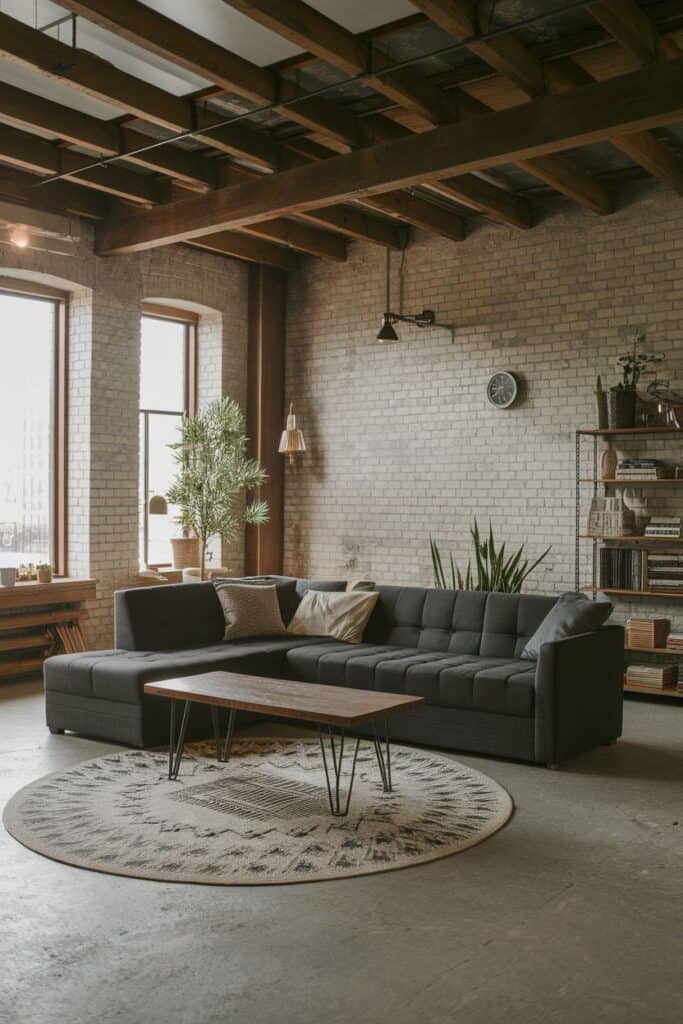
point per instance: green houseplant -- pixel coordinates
(214, 473)
(494, 571)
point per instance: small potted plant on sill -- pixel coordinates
(214, 474)
(44, 572)
(621, 407)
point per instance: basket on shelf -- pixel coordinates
(609, 517)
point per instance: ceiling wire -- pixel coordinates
(322, 90)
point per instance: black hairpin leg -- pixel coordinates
(215, 723)
(383, 762)
(338, 808)
(175, 753)
(224, 755)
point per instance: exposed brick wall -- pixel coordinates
(402, 441)
(104, 370)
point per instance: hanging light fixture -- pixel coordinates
(427, 318)
(292, 439)
(158, 506)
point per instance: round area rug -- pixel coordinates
(261, 819)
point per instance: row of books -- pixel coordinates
(674, 641)
(665, 571)
(623, 569)
(659, 677)
(663, 526)
(643, 469)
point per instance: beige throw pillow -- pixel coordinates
(249, 610)
(343, 616)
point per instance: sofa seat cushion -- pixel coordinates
(121, 675)
(498, 685)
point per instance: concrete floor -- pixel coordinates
(573, 914)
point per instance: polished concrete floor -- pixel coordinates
(573, 914)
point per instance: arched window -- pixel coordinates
(167, 390)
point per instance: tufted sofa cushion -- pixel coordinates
(500, 685)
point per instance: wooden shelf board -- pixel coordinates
(653, 650)
(637, 538)
(639, 482)
(21, 667)
(653, 691)
(24, 643)
(631, 430)
(666, 595)
(60, 591)
(22, 621)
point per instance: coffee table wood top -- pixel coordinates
(333, 705)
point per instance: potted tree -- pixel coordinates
(214, 476)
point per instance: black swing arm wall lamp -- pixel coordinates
(427, 318)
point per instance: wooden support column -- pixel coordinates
(265, 410)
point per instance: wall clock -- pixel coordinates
(502, 389)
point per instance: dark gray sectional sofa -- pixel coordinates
(460, 650)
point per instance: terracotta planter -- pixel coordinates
(45, 575)
(186, 552)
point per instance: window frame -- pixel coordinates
(21, 288)
(190, 320)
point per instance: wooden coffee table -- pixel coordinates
(332, 708)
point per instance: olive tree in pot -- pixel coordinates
(215, 475)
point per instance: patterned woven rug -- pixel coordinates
(261, 819)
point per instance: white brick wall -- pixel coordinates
(402, 439)
(104, 370)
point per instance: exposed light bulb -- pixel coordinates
(19, 237)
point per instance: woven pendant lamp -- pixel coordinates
(292, 440)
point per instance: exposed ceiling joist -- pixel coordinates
(245, 247)
(20, 187)
(153, 31)
(645, 99)
(528, 72)
(331, 42)
(633, 28)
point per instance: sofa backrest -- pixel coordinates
(459, 621)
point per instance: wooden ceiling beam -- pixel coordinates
(530, 74)
(57, 197)
(313, 31)
(634, 30)
(38, 156)
(301, 237)
(244, 247)
(308, 28)
(647, 98)
(158, 34)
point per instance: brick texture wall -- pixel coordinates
(402, 441)
(104, 372)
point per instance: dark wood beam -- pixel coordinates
(58, 197)
(645, 99)
(244, 247)
(530, 74)
(265, 409)
(31, 153)
(314, 31)
(153, 31)
(633, 28)
(302, 237)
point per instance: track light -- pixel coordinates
(427, 318)
(19, 237)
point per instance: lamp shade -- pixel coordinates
(292, 439)
(158, 505)
(386, 331)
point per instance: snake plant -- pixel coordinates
(492, 570)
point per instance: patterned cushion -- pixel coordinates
(249, 610)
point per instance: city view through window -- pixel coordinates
(27, 341)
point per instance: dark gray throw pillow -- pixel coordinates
(573, 614)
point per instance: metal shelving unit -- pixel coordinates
(596, 482)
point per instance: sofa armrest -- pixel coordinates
(579, 693)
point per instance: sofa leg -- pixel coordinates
(55, 731)
(553, 765)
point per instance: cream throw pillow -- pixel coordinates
(249, 610)
(343, 616)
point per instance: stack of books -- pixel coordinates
(622, 569)
(659, 677)
(679, 687)
(642, 469)
(648, 632)
(665, 572)
(674, 641)
(664, 526)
